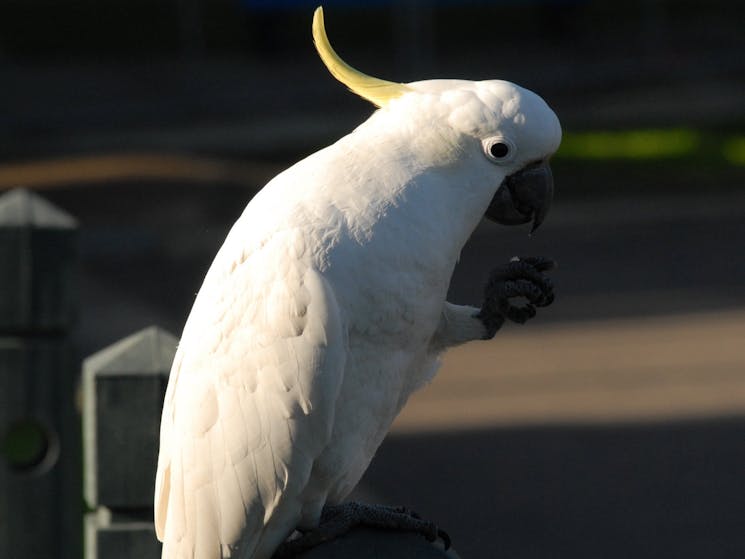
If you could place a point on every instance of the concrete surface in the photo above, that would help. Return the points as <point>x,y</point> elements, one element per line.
<point>628,370</point>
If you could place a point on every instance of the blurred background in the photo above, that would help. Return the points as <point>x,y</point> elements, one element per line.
<point>613,425</point>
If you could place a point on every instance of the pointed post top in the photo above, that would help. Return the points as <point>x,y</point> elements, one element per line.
<point>23,208</point>
<point>149,351</point>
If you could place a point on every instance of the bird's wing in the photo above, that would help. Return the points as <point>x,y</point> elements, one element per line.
<point>250,400</point>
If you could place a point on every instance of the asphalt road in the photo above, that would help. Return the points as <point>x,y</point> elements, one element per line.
<point>615,490</point>
<point>614,438</point>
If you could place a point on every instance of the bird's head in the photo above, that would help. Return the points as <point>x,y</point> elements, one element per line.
<point>505,133</point>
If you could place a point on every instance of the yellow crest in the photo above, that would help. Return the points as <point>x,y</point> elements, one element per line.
<point>375,90</point>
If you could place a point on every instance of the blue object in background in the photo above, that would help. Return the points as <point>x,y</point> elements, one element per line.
<point>282,4</point>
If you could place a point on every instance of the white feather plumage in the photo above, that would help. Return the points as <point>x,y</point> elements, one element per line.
<point>323,310</point>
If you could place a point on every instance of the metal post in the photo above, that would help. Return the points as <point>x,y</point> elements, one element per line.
<point>40,512</point>
<point>123,389</point>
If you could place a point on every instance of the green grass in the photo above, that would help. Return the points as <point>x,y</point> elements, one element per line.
<point>682,144</point>
<point>734,150</point>
<point>644,161</point>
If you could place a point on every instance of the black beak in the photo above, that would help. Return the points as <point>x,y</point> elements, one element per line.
<point>523,197</point>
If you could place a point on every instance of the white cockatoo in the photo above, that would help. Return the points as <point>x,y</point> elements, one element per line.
<point>326,306</point>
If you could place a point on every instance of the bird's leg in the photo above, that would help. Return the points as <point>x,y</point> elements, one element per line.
<point>458,325</point>
<point>337,520</point>
<point>521,277</point>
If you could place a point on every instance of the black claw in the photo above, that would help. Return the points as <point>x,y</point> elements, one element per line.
<point>521,315</point>
<point>539,263</point>
<point>521,270</point>
<point>521,277</point>
<point>443,535</point>
<point>401,509</point>
<point>492,319</point>
<point>524,288</point>
<point>337,520</point>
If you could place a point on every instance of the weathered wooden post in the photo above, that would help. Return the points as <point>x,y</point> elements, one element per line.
<point>123,389</point>
<point>40,509</point>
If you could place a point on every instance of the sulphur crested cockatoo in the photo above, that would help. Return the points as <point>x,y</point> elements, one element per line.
<point>326,306</point>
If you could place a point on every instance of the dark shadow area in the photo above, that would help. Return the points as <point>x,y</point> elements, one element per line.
<point>615,491</point>
<point>232,77</point>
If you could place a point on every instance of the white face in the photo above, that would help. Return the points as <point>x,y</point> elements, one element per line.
<point>518,137</point>
<point>493,137</point>
<point>510,133</point>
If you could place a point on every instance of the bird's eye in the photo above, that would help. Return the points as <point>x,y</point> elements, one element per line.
<point>499,150</point>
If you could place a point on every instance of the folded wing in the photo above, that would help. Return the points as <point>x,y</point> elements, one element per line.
<point>250,401</point>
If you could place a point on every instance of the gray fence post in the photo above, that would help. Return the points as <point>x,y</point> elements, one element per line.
<point>40,509</point>
<point>123,389</point>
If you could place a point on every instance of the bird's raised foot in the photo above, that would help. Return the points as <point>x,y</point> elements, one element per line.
<point>521,277</point>
<point>337,520</point>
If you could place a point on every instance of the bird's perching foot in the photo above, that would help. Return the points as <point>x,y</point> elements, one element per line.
<point>520,278</point>
<point>337,520</point>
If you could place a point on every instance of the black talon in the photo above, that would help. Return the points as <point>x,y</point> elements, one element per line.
<point>521,277</point>
<point>443,535</point>
<point>337,520</point>
<point>522,270</point>
<point>521,315</point>
<point>539,263</point>
<point>523,288</point>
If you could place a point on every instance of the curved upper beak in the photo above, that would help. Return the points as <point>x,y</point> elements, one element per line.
<point>523,197</point>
